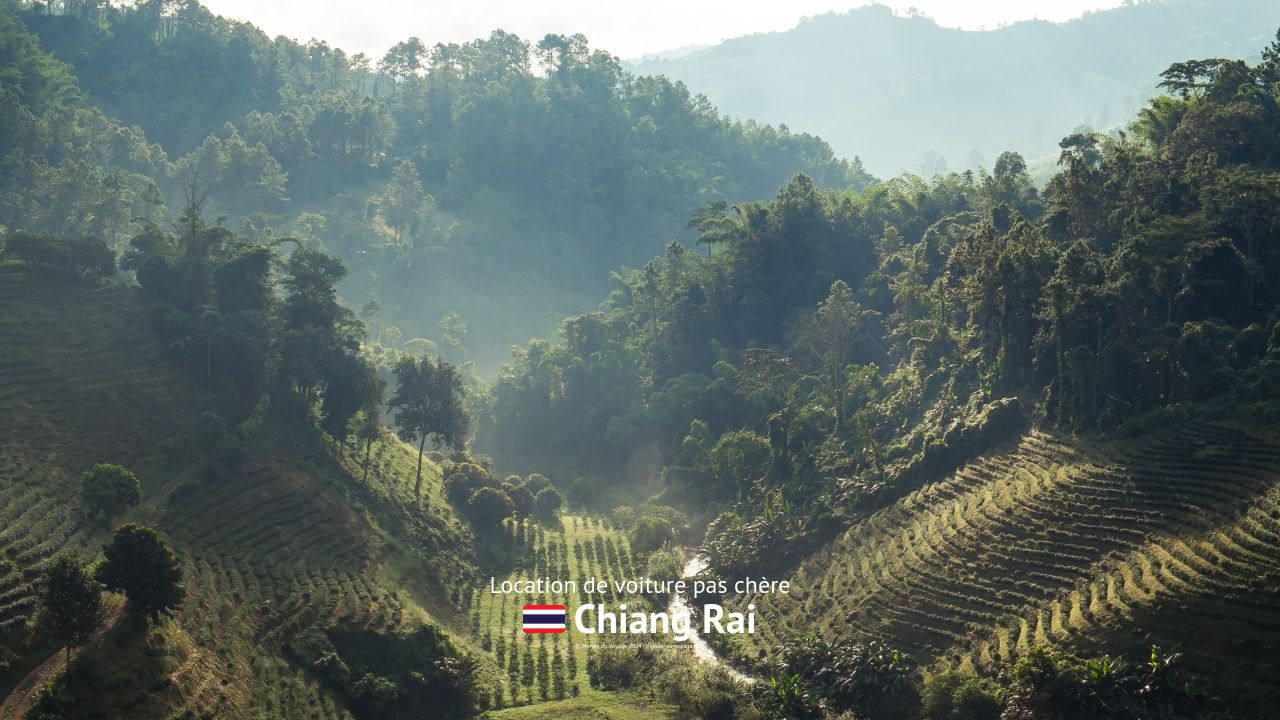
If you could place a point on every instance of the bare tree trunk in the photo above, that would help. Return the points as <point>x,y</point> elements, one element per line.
<point>368,446</point>
<point>417,483</point>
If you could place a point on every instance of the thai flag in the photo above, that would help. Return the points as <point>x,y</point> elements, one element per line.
<point>543,619</point>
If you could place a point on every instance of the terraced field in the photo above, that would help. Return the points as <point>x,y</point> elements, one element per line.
<point>1171,539</point>
<point>66,405</point>
<point>1052,540</point>
<point>536,668</point>
<point>288,541</point>
<point>267,555</point>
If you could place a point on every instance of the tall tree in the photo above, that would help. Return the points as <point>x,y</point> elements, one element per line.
<point>352,385</point>
<point>370,424</point>
<point>713,223</point>
<point>404,203</point>
<point>829,336</point>
<point>428,403</point>
<point>71,602</point>
<point>320,342</point>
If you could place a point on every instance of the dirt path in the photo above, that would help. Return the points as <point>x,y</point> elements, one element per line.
<point>695,565</point>
<point>27,691</point>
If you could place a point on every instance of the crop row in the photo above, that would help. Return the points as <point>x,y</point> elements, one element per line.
<point>1032,544</point>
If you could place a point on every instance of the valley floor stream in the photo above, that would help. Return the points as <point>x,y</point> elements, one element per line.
<point>695,565</point>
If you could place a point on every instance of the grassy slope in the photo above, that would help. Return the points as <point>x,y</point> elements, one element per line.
<point>1169,539</point>
<point>580,548</point>
<point>294,538</point>
<point>291,540</point>
<point>50,367</point>
<point>591,705</point>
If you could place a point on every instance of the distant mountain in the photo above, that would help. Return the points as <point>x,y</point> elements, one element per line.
<point>671,54</point>
<point>903,93</point>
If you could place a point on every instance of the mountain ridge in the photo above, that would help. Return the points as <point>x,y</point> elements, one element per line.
<point>812,77</point>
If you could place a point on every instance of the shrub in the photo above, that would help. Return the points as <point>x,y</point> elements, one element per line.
<point>618,668</point>
<point>665,564</point>
<point>463,479</point>
<point>738,458</point>
<point>960,696</point>
<point>702,691</point>
<point>1049,683</point>
<point>786,696</point>
<point>871,680</point>
<point>679,521</point>
<point>391,675</point>
<point>651,533</point>
<point>547,503</point>
<point>209,431</point>
<point>960,442</point>
<point>583,492</point>
<point>376,694</point>
<point>490,506</point>
<point>623,516</point>
<point>536,483</point>
<point>522,499</point>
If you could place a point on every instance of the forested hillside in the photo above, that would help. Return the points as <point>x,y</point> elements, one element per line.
<point>907,95</point>
<point>1014,446</point>
<point>458,181</point>
<point>835,352</point>
<point>274,537</point>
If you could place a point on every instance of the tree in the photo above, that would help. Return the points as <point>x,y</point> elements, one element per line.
<point>713,223</point>
<point>428,403</point>
<point>522,500</point>
<point>547,502</point>
<point>1247,204</point>
<point>536,483</point>
<point>829,336</point>
<point>320,342</point>
<point>140,565</point>
<point>455,333</point>
<point>404,203</point>
<point>404,59</point>
<point>464,478</point>
<point>1190,78</point>
<point>84,257</point>
<point>1009,184</point>
<point>352,385</point>
<point>71,602</point>
<point>109,490</point>
<point>242,176</point>
<point>490,506</point>
<point>738,459</point>
<point>310,281</point>
<point>370,426</point>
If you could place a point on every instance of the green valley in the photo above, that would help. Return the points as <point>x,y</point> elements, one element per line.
<point>327,382</point>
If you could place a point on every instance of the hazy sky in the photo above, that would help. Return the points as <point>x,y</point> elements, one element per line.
<point>628,28</point>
